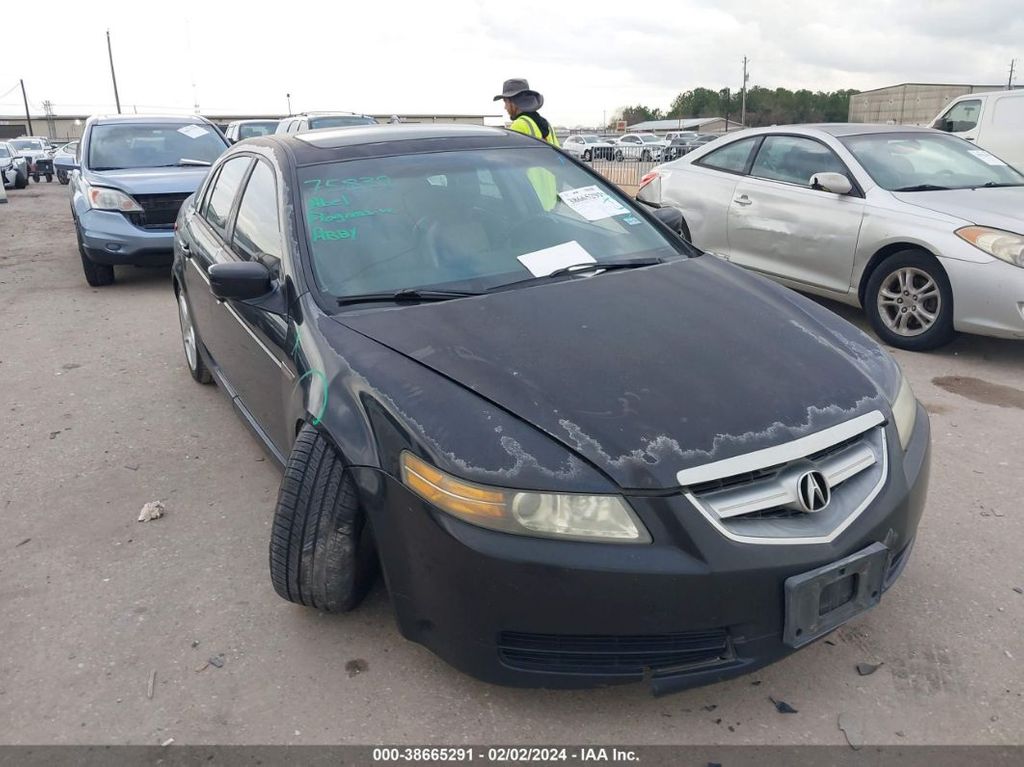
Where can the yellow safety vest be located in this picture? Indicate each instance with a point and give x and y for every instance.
(543, 180)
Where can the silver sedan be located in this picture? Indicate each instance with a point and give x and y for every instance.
(922, 229)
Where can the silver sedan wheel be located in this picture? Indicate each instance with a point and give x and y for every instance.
(188, 333)
(909, 302)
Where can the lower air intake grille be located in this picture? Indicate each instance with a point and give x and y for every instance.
(611, 655)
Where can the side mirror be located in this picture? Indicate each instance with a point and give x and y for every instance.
(239, 280)
(835, 183)
(670, 217)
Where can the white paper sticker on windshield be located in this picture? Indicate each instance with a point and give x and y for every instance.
(193, 131)
(592, 203)
(543, 262)
(985, 157)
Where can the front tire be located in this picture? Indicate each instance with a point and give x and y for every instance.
(35, 177)
(49, 178)
(21, 181)
(97, 275)
(62, 176)
(321, 548)
(909, 302)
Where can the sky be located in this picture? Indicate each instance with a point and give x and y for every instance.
(450, 56)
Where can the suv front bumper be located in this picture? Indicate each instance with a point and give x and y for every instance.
(110, 238)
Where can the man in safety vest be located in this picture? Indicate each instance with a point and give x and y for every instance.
(522, 104)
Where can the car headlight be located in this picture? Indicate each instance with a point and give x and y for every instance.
(904, 412)
(571, 516)
(102, 198)
(1007, 246)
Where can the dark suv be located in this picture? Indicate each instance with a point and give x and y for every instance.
(316, 120)
(133, 175)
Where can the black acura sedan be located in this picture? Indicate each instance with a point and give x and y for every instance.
(580, 451)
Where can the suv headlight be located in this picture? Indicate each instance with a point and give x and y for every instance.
(904, 412)
(1007, 246)
(569, 516)
(102, 198)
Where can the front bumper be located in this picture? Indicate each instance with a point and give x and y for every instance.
(42, 166)
(693, 606)
(110, 238)
(988, 298)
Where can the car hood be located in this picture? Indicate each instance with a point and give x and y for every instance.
(650, 371)
(151, 180)
(1002, 208)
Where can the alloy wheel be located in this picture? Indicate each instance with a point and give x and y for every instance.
(909, 301)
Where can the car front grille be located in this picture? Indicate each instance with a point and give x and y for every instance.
(159, 211)
(756, 500)
(614, 655)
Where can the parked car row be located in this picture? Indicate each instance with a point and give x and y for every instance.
(923, 230)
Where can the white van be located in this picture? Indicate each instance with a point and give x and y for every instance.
(994, 121)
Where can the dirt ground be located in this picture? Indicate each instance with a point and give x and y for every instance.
(98, 416)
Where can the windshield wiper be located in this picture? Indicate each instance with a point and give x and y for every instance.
(184, 162)
(583, 268)
(995, 184)
(922, 188)
(409, 294)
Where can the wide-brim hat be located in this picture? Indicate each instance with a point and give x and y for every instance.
(518, 86)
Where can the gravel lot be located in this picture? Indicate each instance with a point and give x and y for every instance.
(99, 416)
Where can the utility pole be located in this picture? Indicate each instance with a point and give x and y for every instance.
(289, 97)
(27, 115)
(743, 108)
(48, 111)
(1009, 83)
(113, 77)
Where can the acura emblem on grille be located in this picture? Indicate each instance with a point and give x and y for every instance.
(813, 491)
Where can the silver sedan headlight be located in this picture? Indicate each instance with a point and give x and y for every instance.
(904, 412)
(1007, 246)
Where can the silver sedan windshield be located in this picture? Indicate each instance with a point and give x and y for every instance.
(919, 162)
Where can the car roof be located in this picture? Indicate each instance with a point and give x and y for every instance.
(149, 119)
(839, 129)
(363, 141)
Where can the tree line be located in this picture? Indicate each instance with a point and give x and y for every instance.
(765, 106)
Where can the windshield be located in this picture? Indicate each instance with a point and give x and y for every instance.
(29, 144)
(926, 161)
(650, 139)
(340, 121)
(591, 140)
(152, 145)
(250, 130)
(463, 220)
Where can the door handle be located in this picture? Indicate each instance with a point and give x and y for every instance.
(186, 250)
(743, 200)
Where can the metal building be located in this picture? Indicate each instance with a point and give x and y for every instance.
(908, 103)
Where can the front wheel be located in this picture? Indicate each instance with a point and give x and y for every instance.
(62, 176)
(321, 548)
(35, 177)
(909, 302)
(21, 181)
(97, 275)
(49, 178)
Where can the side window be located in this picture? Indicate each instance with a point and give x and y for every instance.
(257, 233)
(794, 160)
(731, 157)
(225, 188)
(962, 116)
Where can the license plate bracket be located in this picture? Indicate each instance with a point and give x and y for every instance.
(856, 580)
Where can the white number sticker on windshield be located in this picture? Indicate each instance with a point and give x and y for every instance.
(541, 263)
(193, 131)
(592, 203)
(985, 157)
